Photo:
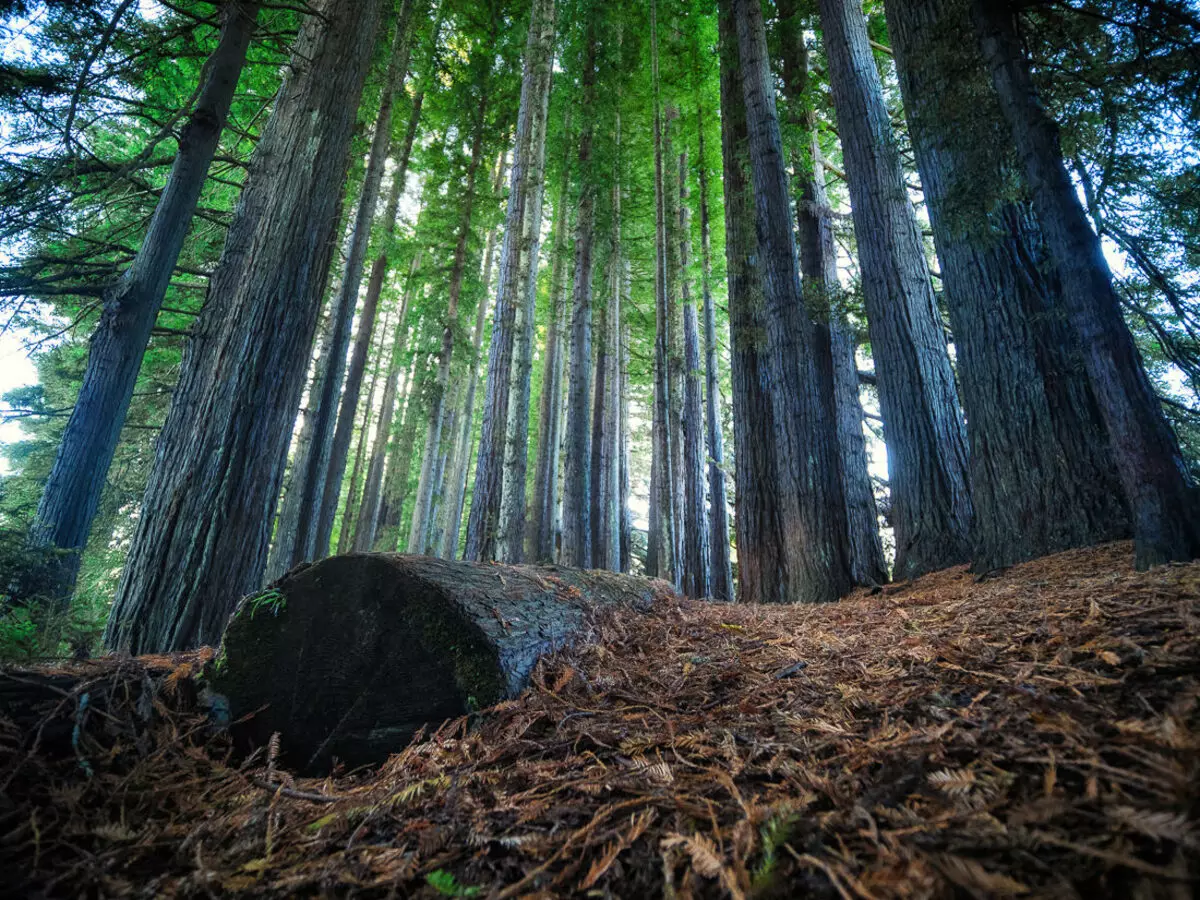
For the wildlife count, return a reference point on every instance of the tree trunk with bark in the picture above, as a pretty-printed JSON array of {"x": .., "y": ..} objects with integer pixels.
[
  {"x": 420, "y": 532},
  {"x": 759, "y": 542},
  {"x": 543, "y": 534},
  {"x": 1042, "y": 472},
  {"x": 130, "y": 308},
  {"x": 696, "y": 577},
  {"x": 202, "y": 537},
  {"x": 353, "y": 492},
  {"x": 390, "y": 643},
  {"x": 1163, "y": 501},
  {"x": 368, "y": 510},
  {"x": 320, "y": 477},
  {"x": 811, "y": 507},
  {"x": 577, "y": 452},
  {"x": 720, "y": 566},
  {"x": 822, "y": 291},
  {"x": 484, "y": 521},
  {"x": 923, "y": 429}
]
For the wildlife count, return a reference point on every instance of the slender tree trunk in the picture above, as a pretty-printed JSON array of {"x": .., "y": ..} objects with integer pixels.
[
  {"x": 1166, "y": 512},
  {"x": 201, "y": 540},
  {"x": 720, "y": 567},
  {"x": 545, "y": 483},
  {"x": 389, "y": 536},
  {"x": 625, "y": 539},
  {"x": 815, "y": 556},
  {"x": 697, "y": 579},
  {"x": 484, "y": 521},
  {"x": 421, "y": 528},
  {"x": 601, "y": 494},
  {"x": 607, "y": 521},
  {"x": 323, "y": 467},
  {"x": 759, "y": 542},
  {"x": 368, "y": 509},
  {"x": 462, "y": 451},
  {"x": 349, "y": 511},
  {"x": 577, "y": 455},
  {"x": 511, "y": 547},
  {"x": 660, "y": 537},
  {"x": 822, "y": 290},
  {"x": 927, "y": 452},
  {"x": 1042, "y": 472},
  {"x": 131, "y": 306}
]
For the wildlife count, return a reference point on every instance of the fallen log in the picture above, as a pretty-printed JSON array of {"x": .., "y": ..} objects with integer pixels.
[{"x": 347, "y": 658}]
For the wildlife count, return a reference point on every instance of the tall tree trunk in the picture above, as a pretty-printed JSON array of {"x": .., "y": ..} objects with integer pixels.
[
  {"x": 420, "y": 531},
  {"x": 484, "y": 521},
  {"x": 543, "y": 536},
  {"x": 1166, "y": 511},
  {"x": 201, "y": 540},
  {"x": 72, "y": 493},
  {"x": 624, "y": 487},
  {"x": 811, "y": 510},
  {"x": 927, "y": 452},
  {"x": 321, "y": 476},
  {"x": 399, "y": 459},
  {"x": 697, "y": 579},
  {"x": 368, "y": 510},
  {"x": 606, "y": 548},
  {"x": 577, "y": 455},
  {"x": 462, "y": 447},
  {"x": 822, "y": 290},
  {"x": 279, "y": 560},
  {"x": 1042, "y": 472},
  {"x": 511, "y": 545},
  {"x": 720, "y": 567},
  {"x": 660, "y": 536},
  {"x": 349, "y": 511},
  {"x": 759, "y": 542},
  {"x": 601, "y": 494}
]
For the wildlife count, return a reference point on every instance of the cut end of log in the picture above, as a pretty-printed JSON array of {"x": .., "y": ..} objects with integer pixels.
[{"x": 349, "y": 657}]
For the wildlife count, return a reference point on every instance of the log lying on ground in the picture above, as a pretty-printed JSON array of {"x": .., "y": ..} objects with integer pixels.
[{"x": 347, "y": 658}]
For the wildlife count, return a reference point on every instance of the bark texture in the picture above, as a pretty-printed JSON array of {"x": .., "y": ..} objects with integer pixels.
[
  {"x": 1163, "y": 501},
  {"x": 815, "y": 557},
  {"x": 756, "y": 520},
  {"x": 922, "y": 426},
  {"x": 1042, "y": 473},
  {"x": 348, "y": 658},
  {"x": 201, "y": 540},
  {"x": 484, "y": 521},
  {"x": 72, "y": 494}
]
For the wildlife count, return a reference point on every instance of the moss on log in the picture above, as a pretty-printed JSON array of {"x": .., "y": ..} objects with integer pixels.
[{"x": 347, "y": 658}]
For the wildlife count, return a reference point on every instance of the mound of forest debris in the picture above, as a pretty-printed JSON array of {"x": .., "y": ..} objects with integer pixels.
[{"x": 1032, "y": 734}]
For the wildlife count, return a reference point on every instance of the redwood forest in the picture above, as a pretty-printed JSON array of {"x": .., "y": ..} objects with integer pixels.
[{"x": 610, "y": 448}]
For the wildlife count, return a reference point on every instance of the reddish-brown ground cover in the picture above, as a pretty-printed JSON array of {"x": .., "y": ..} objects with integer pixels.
[{"x": 1035, "y": 734}]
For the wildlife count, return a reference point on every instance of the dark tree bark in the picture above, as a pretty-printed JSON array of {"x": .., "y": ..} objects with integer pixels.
[
  {"x": 484, "y": 521},
  {"x": 462, "y": 451},
  {"x": 201, "y": 540},
  {"x": 720, "y": 567},
  {"x": 400, "y": 452},
  {"x": 320, "y": 478},
  {"x": 72, "y": 494},
  {"x": 601, "y": 493},
  {"x": 822, "y": 291},
  {"x": 353, "y": 492},
  {"x": 812, "y": 517},
  {"x": 661, "y": 556},
  {"x": 927, "y": 451},
  {"x": 390, "y": 643},
  {"x": 421, "y": 532},
  {"x": 1042, "y": 473},
  {"x": 368, "y": 510},
  {"x": 511, "y": 547},
  {"x": 759, "y": 542},
  {"x": 696, "y": 577},
  {"x": 577, "y": 452},
  {"x": 1163, "y": 501},
  {"x": 543, "y": 534}
]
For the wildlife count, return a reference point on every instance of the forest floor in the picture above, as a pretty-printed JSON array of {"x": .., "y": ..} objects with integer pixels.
[{"x": 1034, "y": 734}]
